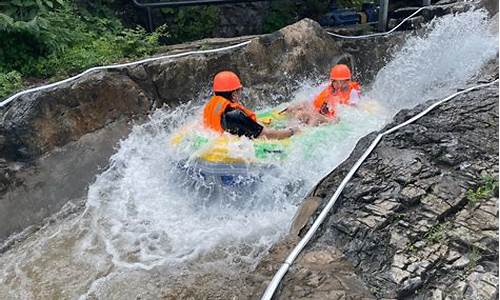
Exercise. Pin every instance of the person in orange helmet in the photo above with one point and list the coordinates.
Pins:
(225, 113)
(341, 90)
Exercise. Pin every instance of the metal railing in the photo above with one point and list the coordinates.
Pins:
(160, 4)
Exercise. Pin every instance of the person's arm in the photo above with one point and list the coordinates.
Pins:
(277, 134)
(355, 97)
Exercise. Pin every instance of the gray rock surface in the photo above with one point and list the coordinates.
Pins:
(419, 220)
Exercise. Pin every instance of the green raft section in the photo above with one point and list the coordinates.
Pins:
(269, 150)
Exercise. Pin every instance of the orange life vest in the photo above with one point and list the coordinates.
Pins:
(326, 101)
(212, 114)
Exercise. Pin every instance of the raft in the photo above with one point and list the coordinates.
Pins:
(230, 149)
(231, 160)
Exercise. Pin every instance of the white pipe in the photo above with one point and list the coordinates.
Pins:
(43, 87)
(273, 285)
(378, 33)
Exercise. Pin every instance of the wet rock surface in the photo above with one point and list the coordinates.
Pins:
(419, 219)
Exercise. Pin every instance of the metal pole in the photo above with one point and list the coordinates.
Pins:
(150, 19)
(382, 15)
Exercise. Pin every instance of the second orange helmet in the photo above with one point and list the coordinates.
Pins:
(340, 72)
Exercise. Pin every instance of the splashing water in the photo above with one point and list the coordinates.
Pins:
(138, 209)
(138, 221)
(434, 65)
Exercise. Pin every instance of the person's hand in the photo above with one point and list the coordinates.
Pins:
(294, 130)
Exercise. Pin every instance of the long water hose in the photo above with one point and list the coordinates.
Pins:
(378, 33)
(43, 87)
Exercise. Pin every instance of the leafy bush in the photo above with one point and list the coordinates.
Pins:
(26, 10)
(46, 38)
(10, 82)
(283, 13)
(351, 3)
(94, 51)
(190, 23)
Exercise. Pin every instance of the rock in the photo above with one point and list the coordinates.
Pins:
(437, 295)
(307, 208)
(410, 286)
(481, 286)
(311, 277)
(383, 207)
(440, 9)
(372, 221)
(461, 263)
(398, 275)
(491, 6)
(399, 261)
(412, 192)
(453, 256)
(417, 229)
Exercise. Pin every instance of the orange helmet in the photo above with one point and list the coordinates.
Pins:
(340, 72)
(226, 81)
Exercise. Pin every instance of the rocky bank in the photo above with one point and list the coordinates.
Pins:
(419, 220)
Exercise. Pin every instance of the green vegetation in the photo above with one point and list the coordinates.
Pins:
(436, 233)
(190, 23)
(411, 248)
(9, 82)
(485, 190)
(474, 256)
(53, 39)
(283, 13)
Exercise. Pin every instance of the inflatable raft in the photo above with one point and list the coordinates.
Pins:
(230, 160)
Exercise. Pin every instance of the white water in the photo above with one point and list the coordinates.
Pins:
(138, 221)
(434, 65)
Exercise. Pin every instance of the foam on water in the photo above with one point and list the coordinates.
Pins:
(435, 64)
(141, 214)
